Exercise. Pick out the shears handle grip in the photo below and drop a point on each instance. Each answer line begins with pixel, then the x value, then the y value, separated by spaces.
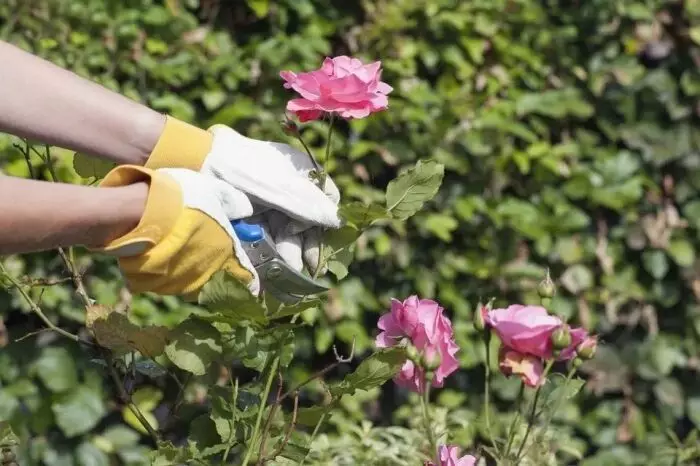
pixel 248 232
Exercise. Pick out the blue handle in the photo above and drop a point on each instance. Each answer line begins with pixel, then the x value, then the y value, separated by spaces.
pixel 247 232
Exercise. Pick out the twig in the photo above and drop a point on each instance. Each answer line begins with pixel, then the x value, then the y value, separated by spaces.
pixel 37 310
pixel 533 411
pixel 268 422
pixel 232 435
pixel 288 433
pixel 126 398
pixel 338 360
pixel 258 420
pixel 31 282
pixel 318 374
pixel 31 334
pixel 27 158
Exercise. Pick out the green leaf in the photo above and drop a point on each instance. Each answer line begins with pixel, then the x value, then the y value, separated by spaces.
pixel 361 215
pixel 169 455
pixel 78 411
pixel 91 167
pixel 441 225
pixel 295 452
pixel 682 252
pixel 694 410
pixel 147 398
pixel 286 311
pixel 56 369
pixel 407 194
pixel 310 416
pixel 7 436
pixel 230 301
pixel 338 251
pixel 259 7
pixel 694 34
pixel 557 387
pixel 373 372
pixel 656 263
pixel 577 278
pixel 221 412
pixel 194 345
pixel 204 439
pixel 88 454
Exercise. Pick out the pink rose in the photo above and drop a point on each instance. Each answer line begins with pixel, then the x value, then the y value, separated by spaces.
pixel 525 329
pixel 422 321
pixel 528 367
pixel 342 85
pixel 448 457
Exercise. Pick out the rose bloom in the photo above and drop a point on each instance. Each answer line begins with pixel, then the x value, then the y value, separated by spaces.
pixel 528 367
pixel 448 457
pixel 528 330
pixel 430 331
pixel 343 86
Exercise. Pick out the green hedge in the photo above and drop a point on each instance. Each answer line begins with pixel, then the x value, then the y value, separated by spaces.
pixel 569 134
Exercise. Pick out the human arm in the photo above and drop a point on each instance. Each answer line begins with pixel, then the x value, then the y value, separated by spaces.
pixel 38 215
pixel 44 102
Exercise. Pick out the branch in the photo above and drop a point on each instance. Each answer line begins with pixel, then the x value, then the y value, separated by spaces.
pixel 287 434
pixel 268 421
pixel 37 310
pixel 126 398
pixel 318 374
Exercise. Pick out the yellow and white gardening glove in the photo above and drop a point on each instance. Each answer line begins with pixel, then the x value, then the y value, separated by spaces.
pixel 184 235
pixel 274 176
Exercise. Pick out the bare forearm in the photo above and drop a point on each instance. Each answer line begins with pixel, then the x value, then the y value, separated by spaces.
pixel 37 215
pixel 41 101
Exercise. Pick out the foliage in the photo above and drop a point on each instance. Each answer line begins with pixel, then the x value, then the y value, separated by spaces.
pixel 567 132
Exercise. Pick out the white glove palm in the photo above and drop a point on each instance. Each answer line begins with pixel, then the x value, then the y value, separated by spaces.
pixel 276 178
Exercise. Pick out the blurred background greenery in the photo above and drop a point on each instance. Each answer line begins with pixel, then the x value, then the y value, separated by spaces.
pixel 569 134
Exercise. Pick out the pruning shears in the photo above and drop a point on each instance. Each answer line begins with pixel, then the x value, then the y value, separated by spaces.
pixel 276 276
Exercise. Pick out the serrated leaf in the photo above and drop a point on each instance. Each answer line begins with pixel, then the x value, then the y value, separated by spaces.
pixel 361 215
pixel 373 372
pixel 407 194
pixel 118 333
pixel 169 455
pixel 557 386
pixel 91 167
pixel 203 439
pixel 230 301
pixel 338 251
pixel 194 345
pixel 222 414
pixel 286 311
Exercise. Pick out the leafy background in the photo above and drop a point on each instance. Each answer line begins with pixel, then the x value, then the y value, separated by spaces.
pixel 568 130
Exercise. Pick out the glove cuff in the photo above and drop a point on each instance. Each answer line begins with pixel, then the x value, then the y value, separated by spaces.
pixel 180 145
pixel 163 207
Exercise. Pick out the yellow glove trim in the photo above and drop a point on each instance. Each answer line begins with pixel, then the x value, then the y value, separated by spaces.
pixel 163 207
pixel 180 145
pixel 184 260
pixel 181 247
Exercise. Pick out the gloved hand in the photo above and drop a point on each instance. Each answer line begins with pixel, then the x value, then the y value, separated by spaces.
pixel 184 235
pixel 275 176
